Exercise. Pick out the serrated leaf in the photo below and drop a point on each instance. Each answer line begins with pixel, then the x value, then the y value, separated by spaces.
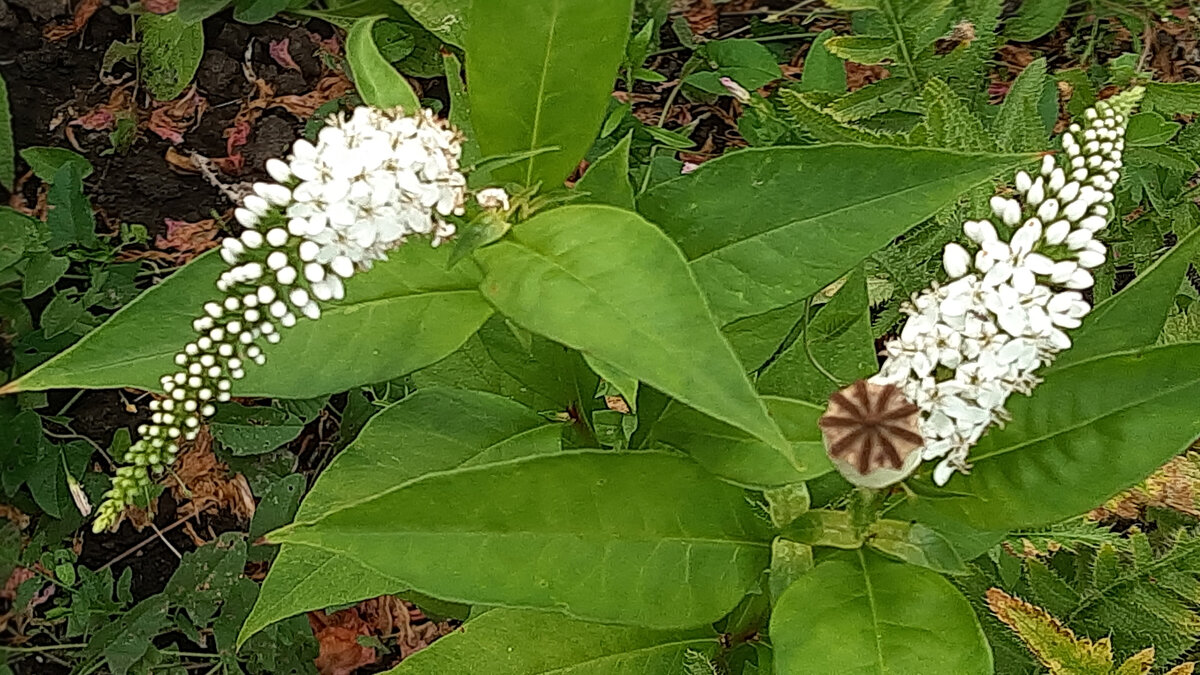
pixel 433 430
pixel 1172 98
pixel 1066 449
pixel 377 81
pixel 1053 644
pixel 951 124
pixel 499 638
pixel 755 224
pixel 550 87
pixel 864 49
pixel 70 218
pixel 1019 125
pixel 822 125
pixel 859 614
pixel 643 302
pixel 411 294
pixel 662 544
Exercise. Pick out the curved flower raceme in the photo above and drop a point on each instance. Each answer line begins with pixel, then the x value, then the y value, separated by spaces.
pixel 1014 292
pixel 372 180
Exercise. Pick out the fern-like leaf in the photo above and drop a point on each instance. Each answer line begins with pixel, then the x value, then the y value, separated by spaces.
pixel 1019 125
pixel 950 123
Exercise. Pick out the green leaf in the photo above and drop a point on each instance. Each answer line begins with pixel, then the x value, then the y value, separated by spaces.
pixel 741 458
pixel 194 11
pixel 861 614
pixel 257 11
pixel 7 161
pixel 13 236
pixel 70 218
pixel 950 123
pixel 1018 125
pixel 42 272
pixel 1091 429
pixel 460 117
pixel 171 52
pixel 746 62
pixel 546 88
pixel 433 430
pixel 125 641
pixel 46 161
pixel 412 294
pixel 629 537
pixel 608 283
pixel 1172 98
pixel 757 224
pixel 607 179
pixel 1035 18
pixel 1135 316
pixel 205 577
pixel 443 18
pixel 822 70
pixel 500 638
pixel 60 315
pixel 246 430
pixel 624 383
pixel 1149 129
pixel 916 544
pixel 838 339
pixel 378 83
pixel 539 373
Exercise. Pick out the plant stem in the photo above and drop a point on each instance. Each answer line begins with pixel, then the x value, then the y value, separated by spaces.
pixel 40 648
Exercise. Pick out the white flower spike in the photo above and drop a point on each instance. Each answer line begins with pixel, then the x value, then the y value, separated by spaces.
pixel 972 342
pixel 372 180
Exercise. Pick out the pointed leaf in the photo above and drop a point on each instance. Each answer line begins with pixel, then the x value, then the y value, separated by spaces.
pixel 1091 429
pixel 861 614
pixel 628 537
pixel 378 82
pixel 539 75
pixel 607 179
pixel 433 430
pixel 767 227
pixel 411 295
pixel 501 639
pixel 608 283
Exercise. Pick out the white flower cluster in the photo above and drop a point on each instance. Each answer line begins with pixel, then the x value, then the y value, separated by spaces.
pixel 369 182
pixel 971 343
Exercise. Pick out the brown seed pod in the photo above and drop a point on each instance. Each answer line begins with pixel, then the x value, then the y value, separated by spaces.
pixel 871 426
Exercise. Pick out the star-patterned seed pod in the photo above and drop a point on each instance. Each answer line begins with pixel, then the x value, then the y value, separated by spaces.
pixel 871 432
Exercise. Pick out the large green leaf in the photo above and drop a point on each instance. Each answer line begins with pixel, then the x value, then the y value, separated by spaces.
pixel 629 537
pixel 741 458
pixel 378 82
pixel 171 53
pixel 766 227
pixel 406 313
pixel 1135 316
pixel 1090 430
pixel 862 614
pixel 501 638
pixel 432 430
pixel 539 75
pixel 443 18
pixel 611 285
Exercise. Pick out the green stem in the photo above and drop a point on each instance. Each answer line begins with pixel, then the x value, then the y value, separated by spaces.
pixel 40 648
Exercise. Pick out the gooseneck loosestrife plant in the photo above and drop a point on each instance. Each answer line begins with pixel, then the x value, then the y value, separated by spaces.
pixel 971 343
pixel 373 179
pixel 729 307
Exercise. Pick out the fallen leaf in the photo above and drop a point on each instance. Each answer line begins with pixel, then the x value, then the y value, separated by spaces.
pixel 188 240
pixel 160 6
pixel 104 116
pixel 701 15
pixel 389 615
pixel 170 120
pixel 329 87
pixel 83 12
pixel 337 635
pixel 278 50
